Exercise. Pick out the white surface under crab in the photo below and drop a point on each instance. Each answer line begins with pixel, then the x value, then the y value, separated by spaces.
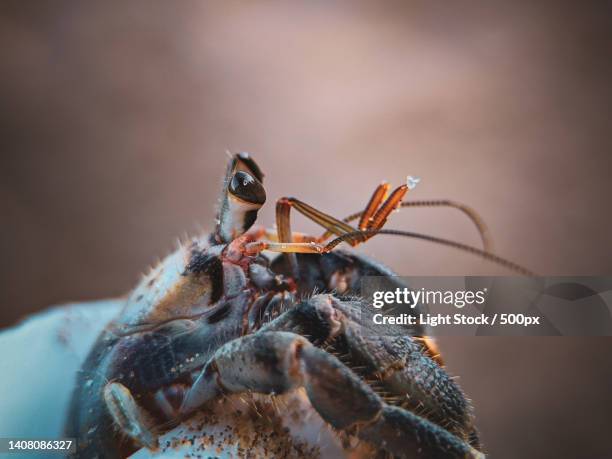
pixel 43 354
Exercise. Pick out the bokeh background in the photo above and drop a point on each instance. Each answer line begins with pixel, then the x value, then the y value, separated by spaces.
pixel 115 118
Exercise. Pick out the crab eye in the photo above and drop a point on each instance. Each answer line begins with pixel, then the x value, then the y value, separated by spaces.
pixel 243 195
pixel 246 188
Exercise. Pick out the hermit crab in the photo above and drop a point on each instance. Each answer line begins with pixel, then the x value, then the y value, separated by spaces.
pixel 217 318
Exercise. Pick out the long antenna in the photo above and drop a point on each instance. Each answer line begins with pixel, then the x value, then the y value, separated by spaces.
pixel 361 235
pixel 478 221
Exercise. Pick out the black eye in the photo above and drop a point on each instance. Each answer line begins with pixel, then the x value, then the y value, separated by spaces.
pixel 250 165
pixel 244 187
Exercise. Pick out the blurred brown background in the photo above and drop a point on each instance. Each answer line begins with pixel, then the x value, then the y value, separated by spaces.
pixel 114 120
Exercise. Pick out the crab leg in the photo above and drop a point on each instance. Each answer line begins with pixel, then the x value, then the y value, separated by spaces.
pixel 278 362
pixel 395 365
pixel 131 419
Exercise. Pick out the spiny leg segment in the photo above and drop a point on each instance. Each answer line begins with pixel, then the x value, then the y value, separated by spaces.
pixel 399 367
pixel 278 362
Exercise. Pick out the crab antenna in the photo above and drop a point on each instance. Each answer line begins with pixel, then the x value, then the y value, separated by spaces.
pixel 481 226
pixel 483 230
pixel 457 245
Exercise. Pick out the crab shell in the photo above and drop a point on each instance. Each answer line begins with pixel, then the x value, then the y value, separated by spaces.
pixel 195 300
